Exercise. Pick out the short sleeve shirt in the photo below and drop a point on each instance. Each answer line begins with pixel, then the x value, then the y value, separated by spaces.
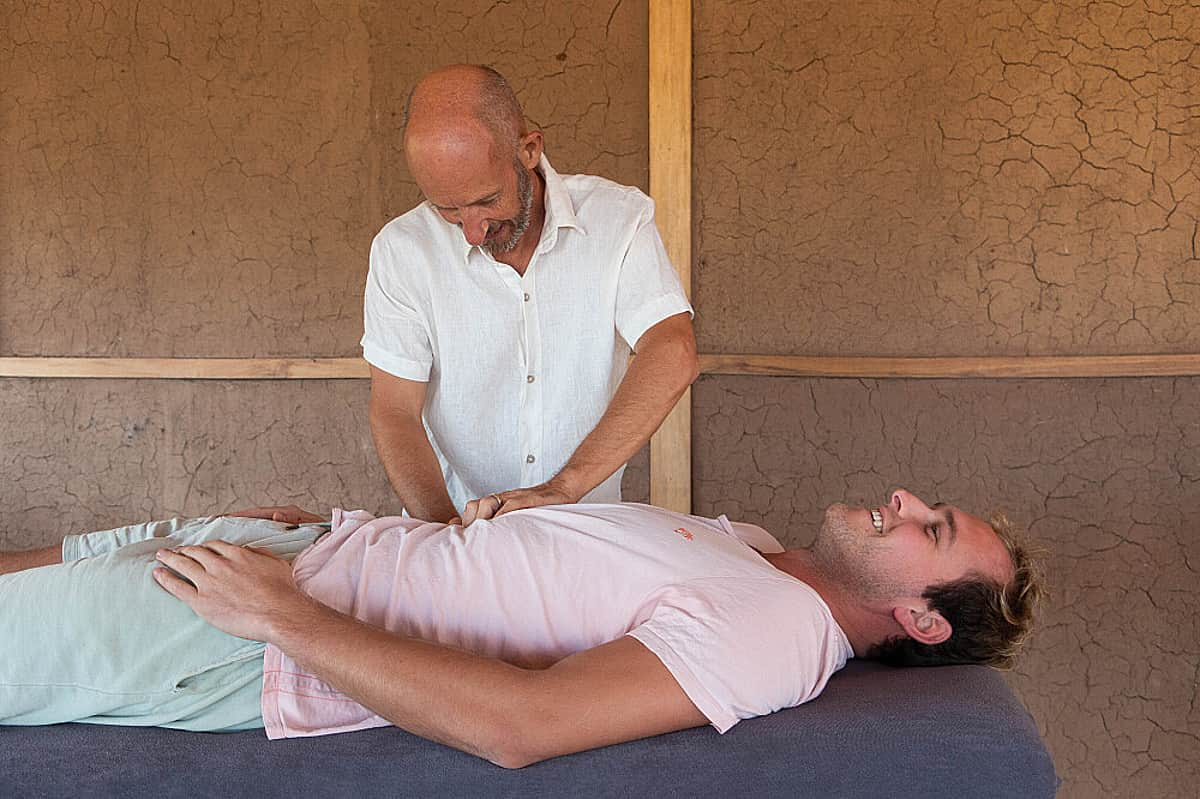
pixel 741 637
pixel 519 368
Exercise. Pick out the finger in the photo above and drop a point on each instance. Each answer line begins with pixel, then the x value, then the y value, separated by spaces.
pixel 456 520
pixel 224 549
pixel 255 513
pixel 205 555
pixel 278 516
pixel 515 502
pixel 188 567
pixel 175 585
pixel 257 551
pixel 488 507
pixel 470 512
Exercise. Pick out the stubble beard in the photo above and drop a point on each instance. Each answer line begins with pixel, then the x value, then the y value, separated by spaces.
pixel 852 557
pixel 520 223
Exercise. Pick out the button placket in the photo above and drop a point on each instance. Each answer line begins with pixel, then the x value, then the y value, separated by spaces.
pixel 531 402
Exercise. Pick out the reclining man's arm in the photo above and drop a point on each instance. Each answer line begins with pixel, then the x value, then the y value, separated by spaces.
pixel 404 449
pixel 509 715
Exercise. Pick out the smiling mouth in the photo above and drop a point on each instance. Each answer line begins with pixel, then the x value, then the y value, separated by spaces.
pixel 877 521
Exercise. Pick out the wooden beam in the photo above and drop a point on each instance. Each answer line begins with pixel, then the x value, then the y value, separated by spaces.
pixel 671 188
pixel 1057 366
pixel 188 368
pixel 1061 366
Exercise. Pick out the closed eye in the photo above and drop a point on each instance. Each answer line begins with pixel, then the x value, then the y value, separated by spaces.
pixel 490 200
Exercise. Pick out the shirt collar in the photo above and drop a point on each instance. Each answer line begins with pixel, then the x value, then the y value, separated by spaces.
pixel 560 212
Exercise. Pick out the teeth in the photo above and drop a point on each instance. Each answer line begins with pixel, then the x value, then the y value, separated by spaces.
pixel 877 520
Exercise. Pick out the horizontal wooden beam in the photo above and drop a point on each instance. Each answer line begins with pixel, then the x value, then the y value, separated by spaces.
pixel 1060 366
pixel 188 368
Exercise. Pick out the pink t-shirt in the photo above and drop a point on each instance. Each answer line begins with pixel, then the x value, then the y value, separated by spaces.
pixel 741 637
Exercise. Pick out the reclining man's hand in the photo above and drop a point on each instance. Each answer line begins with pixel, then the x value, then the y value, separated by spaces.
pixel 548 493
pixel 240 590
pixel 288 514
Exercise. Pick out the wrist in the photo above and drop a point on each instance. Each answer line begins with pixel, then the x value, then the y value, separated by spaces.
pixel 288 624
pixel 568 484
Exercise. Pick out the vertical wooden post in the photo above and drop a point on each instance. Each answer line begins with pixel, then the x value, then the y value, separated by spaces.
pixel 671 188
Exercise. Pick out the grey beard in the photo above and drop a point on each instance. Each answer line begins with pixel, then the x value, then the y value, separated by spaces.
pixel 521 222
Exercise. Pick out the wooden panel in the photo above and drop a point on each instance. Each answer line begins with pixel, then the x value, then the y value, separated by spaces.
pixel 1090 366
pixel 671 188
pixel 999 367
pixel 188 368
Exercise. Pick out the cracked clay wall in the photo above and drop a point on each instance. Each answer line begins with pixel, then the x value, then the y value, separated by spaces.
pixel 204 180
pixel 973 178
pixel 953 178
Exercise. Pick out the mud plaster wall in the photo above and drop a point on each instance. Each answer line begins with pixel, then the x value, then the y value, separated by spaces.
pixel 973 178
pixel 958 178
pixel 204 179
pixel 191 180
pixel 948 178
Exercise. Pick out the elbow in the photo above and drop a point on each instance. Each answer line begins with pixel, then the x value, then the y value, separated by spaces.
pixel 688 358
pixel 510 751
pixel 670 350
pixel 692 363
pixel 689 363
pixel 513 760
pixel 522 738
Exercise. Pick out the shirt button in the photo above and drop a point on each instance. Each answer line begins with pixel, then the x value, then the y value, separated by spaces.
pixel 529 379
pixel 530 459
pixel 527 296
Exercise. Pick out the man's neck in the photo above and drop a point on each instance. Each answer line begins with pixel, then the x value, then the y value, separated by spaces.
pixel 862 625
pixel 520 256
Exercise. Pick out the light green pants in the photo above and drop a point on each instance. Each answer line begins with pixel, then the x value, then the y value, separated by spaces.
pixel 95 639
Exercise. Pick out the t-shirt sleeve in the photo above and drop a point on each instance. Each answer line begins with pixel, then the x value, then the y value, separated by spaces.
pixel 395 334
pixel 648 290
pixel 742 650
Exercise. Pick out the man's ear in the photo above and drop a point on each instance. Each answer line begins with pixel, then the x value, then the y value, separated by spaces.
pixel 921 624
pixel 530 148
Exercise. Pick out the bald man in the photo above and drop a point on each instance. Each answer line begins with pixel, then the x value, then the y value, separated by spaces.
pixel 500 315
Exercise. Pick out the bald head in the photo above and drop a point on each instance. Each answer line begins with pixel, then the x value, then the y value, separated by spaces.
pixel 464 99
pixel 469 152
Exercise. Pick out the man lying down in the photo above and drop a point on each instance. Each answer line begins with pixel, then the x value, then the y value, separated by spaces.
pixel 523 637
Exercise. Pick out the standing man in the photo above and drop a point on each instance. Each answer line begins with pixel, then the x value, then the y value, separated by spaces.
pixel 501 312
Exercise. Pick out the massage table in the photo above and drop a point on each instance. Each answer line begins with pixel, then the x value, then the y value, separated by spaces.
pixel 955 731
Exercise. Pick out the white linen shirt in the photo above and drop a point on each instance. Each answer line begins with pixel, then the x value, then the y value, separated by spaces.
pixel 520 368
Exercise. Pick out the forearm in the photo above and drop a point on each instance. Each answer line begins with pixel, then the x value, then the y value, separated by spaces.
pixel 469 702
pixel 654 382
pixel 510 715
pixel 411 465
pixel 30 559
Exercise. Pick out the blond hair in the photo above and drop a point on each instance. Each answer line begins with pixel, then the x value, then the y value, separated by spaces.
pixel 990 621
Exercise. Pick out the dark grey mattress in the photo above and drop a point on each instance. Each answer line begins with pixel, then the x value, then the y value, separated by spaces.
pixel 876 731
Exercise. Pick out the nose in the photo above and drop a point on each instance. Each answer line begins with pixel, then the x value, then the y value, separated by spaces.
pixel 905 503
pixel 475 228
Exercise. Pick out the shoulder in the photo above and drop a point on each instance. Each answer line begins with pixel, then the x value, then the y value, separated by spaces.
pixel 770 606
pixel 416 243
pixel 416 225
pixel 591 194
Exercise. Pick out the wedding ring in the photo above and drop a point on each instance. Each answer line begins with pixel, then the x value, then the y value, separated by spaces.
pixel 499 499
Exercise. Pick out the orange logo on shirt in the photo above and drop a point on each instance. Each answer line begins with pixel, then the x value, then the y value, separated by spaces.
pixel 685 533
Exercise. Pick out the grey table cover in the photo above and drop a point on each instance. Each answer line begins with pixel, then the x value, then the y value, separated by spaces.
pixel 875 732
